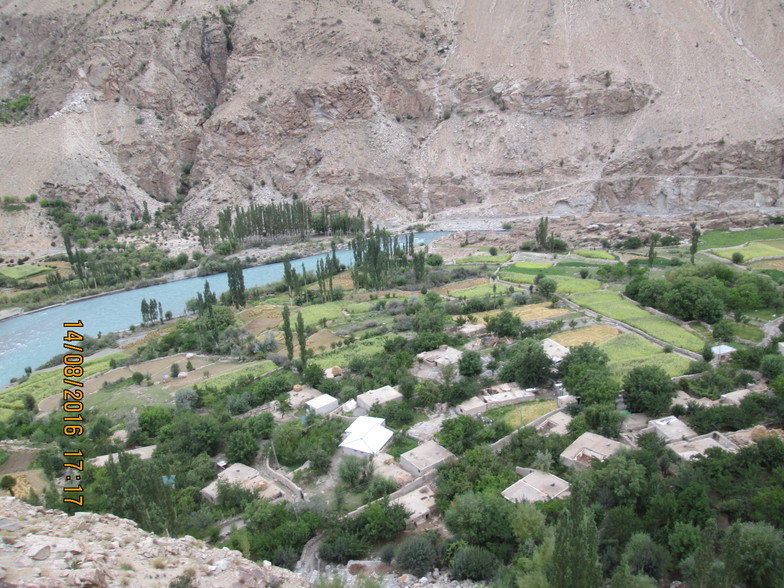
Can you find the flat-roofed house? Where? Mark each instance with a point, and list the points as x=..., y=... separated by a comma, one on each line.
x=440, y=357
x=670, y=428
x=248, y=478
x=143, y=453
x=537, y=486
x=366, y=436
x=420, y=503
x=554, y=350
x=379, y=396
x=588, y=448
x=424, y=458
x=734, y=398
x=323, y=404
x=691, y=448
x=555, y=424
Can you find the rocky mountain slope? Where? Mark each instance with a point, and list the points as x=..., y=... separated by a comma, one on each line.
x=408, y=109
x=48, y=548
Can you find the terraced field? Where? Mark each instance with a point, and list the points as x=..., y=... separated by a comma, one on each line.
x=611, y=304
x=596, y=334
x=594, y=254
x=714, y=239
x=566, y=284
x=628, y=351
x=503, y=258
x=754, y=250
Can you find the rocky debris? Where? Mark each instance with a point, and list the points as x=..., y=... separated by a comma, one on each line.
x=47, y=548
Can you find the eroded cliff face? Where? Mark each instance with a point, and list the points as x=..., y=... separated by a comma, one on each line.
x=417, y=109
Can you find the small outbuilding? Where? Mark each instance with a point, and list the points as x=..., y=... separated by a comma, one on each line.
x=440, y=357
x=669, y=429
x=323, y=404
x=554, y=350
x=143, y=453
x=691, y=448
x=424, y=458
x=555, y=424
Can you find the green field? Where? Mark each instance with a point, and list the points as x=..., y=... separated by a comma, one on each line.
x=713, y=239
x=20, y=272
x=628, y=351
x=329, y=311
x=503, y=258
x=43, y=384
x=612, y=305
x=754, y=250
x=481, y=290
x=530, y=265
x=118, y=402
x=594, y=254
x=343, y=355
x=256, y=368
x=567, y=284
x=748, y=332
x=521, y=414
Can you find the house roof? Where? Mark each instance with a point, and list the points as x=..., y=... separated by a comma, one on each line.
x=367, y=435
x=379, y=396
x=144, y=453
x=536, y=487
x=554, y=350
x=589, y=447
x=689, y=449
x=322, y=401
x=722, y=350
x=247, y=477
x=672, y=428
x=427, y=455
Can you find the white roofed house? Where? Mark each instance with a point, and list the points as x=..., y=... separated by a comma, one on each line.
x=554, y=350
x=424, y=458
x=440, y=357
x=323, y=404
x=537, y=486
x=366, y=436
x=587, y=448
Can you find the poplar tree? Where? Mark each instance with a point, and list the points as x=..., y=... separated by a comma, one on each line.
x=652, y=249
x=301, y=339
x=236, y=283
x=287, y=334
x=695, y=240
x=577, y=546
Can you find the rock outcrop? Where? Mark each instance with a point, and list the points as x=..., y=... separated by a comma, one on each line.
x=47, y=548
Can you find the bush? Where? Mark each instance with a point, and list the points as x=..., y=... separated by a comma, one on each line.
x=416, y=556
x=473, y=563
x=737, y=257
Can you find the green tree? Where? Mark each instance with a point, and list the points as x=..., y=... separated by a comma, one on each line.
x=585, y=353
x=654, y=240
x=528, y=523
x=594, y=384
x=480, y=519
x=546, y=287
x=458, y=434
x=236, y=283
x=623, y=578
x=645, y=557
x=416, y=556
x=470, y=364
x=604, y=420
x=241, y=447
x=504, y=324
x=302, y=341
x=528, y=364
x=542, y=232
x=288, y=336
x=723, y=330
x=754, y=554
x=474, y=563
x=695, y=240
x=648, y=389
x=576, y=543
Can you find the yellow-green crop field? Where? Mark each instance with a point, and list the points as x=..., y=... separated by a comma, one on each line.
x=611, y=304
x=503, y=258
x=567, y=284
x=628, y=351
x=532, y=265
x=481, y=290
x=594, y=254
x=256, y=368
x=754, y=250
x=19, y=272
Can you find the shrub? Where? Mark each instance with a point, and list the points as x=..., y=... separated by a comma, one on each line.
x=416, y=556
x=473, y=563
x=737, y=257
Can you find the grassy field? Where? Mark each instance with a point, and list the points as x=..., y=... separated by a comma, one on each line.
x=596, y=334
x=481, y=290
x=343, y=355
x=713, y=239
x=250, y=369
x=19, y=272
x=43, y=384
x=612, y=305
x=521, y=414
x=748, y=332
x=628, y=351
x=594, y=254
x=329, y=311
x=503, y=258
x=565, y=283
x=754, y=250
x=117, y=402
x=462, y=285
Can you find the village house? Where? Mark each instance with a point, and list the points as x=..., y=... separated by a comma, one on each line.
x=380, y=396
x=425, y=458
x=496, y=396
x=691, y=448
x=536, y=486
x=734, y=398
x=248, y=478
x=588, y=448
x=323, y=404
x=555, y=351
x=440, y=357
x=420, y=503
x=555, y=424
x=143, y=453
x=472, y=329
x=669, y=429
x=365, y=437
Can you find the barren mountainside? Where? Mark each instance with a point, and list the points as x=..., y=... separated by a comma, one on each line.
x=407, y=109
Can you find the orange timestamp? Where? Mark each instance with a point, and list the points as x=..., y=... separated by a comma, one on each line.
x=73, y=405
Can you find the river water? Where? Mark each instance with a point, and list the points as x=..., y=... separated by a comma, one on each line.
x=32, y=339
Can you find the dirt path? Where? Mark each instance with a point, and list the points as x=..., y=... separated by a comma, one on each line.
x=771, y=329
